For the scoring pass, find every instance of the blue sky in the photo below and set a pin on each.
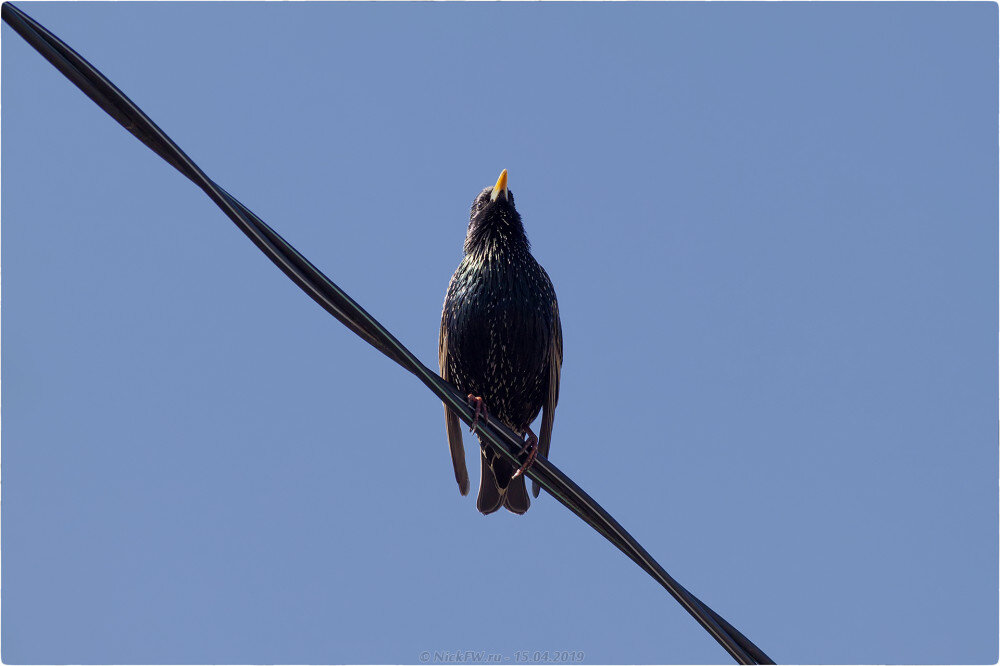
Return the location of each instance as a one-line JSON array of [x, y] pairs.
[[773, 233]]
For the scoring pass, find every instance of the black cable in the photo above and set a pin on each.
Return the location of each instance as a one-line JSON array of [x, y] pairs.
[[335, 301]]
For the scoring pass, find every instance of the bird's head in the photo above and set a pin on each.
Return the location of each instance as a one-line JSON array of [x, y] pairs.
[[493, 218]]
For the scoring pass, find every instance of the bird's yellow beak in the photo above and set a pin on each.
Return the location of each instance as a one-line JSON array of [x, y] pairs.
[[501, 186]]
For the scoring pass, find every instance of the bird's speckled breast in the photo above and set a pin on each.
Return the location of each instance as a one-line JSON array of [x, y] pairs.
[[499, 319]]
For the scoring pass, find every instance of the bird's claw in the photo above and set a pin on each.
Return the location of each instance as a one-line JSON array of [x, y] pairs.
[[480, 411], [531, 446]]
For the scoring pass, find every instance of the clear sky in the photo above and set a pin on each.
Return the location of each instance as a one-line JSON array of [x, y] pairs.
[[773, 233]]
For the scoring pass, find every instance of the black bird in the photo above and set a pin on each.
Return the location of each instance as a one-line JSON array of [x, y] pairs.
[[500, 342]]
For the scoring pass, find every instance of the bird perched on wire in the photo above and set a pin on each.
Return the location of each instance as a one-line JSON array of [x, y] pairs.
[[500, 342]]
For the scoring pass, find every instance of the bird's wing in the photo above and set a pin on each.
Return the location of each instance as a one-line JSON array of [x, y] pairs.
[[555, 368], [451, 421]]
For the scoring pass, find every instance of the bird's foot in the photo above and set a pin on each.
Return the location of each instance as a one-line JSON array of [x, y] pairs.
[[531, 446], [480, 411]]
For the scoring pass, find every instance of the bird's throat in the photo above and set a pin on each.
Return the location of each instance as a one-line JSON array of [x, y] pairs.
[[496, 235]]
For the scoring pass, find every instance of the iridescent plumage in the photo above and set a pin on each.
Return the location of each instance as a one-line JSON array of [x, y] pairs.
[[500, 340]]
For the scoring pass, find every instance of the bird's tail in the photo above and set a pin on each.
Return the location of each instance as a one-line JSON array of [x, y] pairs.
[[495, 486]]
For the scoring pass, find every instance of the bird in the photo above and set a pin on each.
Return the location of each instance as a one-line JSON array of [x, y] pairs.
[[501, 343]]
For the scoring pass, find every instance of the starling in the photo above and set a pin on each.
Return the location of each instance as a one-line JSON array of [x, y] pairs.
[[500, 342]]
